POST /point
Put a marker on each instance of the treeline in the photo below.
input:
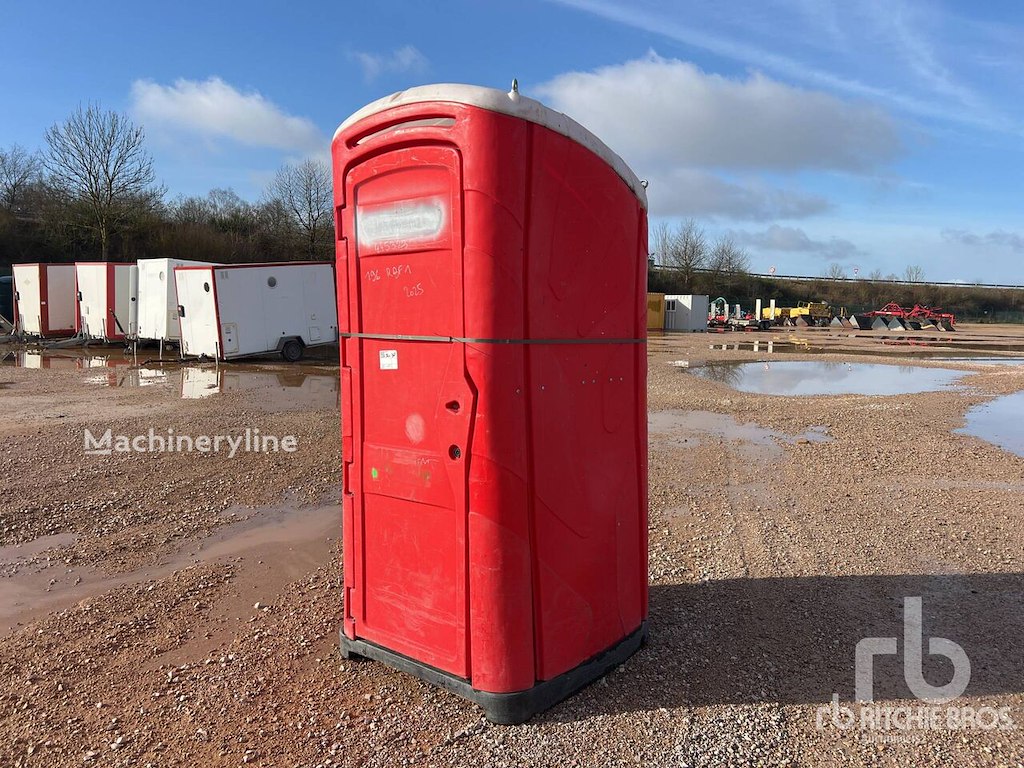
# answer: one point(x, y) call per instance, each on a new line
point(684, 262)
point(91, 194)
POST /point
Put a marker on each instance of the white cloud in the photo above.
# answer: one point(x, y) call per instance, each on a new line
point(998, 238)
point(832, 50)
point(656, 109)
point(691, 192)
point(795, 240)
point(399, 61)
point(676, 125)
point(213, 109)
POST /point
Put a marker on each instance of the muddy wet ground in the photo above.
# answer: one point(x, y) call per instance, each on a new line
point(182, 608)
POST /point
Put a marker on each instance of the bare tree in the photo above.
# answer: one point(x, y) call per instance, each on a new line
point(18, 170)
point(875, 275)
point(689, 248)
point(728, 257)
point(683, 249)
point(97, 158)
point(305, 191)
point(835, 272)
point(190, 210)
point(661, 243)
point(914, 274)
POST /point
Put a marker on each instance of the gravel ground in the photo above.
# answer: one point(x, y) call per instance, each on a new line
point(178, 609)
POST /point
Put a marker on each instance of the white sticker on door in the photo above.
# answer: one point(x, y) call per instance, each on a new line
point(389, 359)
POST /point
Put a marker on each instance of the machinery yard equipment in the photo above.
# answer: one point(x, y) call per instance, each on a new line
point(915, 319)
point(720, 317)
point(816, 313)
point(813, 312)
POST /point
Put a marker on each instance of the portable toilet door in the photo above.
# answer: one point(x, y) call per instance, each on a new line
point(492, 270)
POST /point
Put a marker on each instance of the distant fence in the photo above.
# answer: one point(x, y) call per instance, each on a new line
point(971, 302)
point(820, 279)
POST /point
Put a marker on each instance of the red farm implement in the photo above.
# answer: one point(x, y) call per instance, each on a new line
point(916, 318)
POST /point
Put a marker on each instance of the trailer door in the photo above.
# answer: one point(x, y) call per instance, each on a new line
point(30, 299)
point(198, 312)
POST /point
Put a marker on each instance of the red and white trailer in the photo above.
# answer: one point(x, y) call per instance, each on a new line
point(44, 299)
point(107, 300)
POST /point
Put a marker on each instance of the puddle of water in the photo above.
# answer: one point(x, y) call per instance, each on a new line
point(278, 390)
point(921, 348)
point(284, 536)
point(296, 387)
point(281, 390)
point(14, 555)
point(688, 426)
point(64, 359)
point(820, 378)
point(769, 347)
point(1000, 422)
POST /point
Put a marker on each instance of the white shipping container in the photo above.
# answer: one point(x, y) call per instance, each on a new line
point(231, 311)
point(158, 298)
point(107, 299)
point(44, 299)
point(685, 312)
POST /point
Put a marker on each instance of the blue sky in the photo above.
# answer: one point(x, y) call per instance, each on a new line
point(873, 134)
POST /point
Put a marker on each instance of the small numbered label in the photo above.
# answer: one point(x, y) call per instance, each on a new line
point(389, 359)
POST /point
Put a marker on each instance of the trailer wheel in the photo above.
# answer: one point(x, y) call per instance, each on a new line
point(292, 350)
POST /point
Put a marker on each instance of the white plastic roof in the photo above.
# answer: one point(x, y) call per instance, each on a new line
point(512, 103)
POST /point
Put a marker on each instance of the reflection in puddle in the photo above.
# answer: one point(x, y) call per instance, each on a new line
point(768, 347)
point(820, 378)
point(298, 386)
point(64, 359)
point(687, 427)
point(277, 389)
point(1000, 422)
point(931, 349)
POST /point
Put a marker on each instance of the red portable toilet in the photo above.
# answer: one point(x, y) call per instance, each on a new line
point(492, 262)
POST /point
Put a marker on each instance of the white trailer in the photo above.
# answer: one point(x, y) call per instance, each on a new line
point(107, 300)
point(686, 312)
point(44, 299)
point(231, 311)
point(158, 298)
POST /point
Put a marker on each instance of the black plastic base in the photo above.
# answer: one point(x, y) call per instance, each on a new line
point(507, 708)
